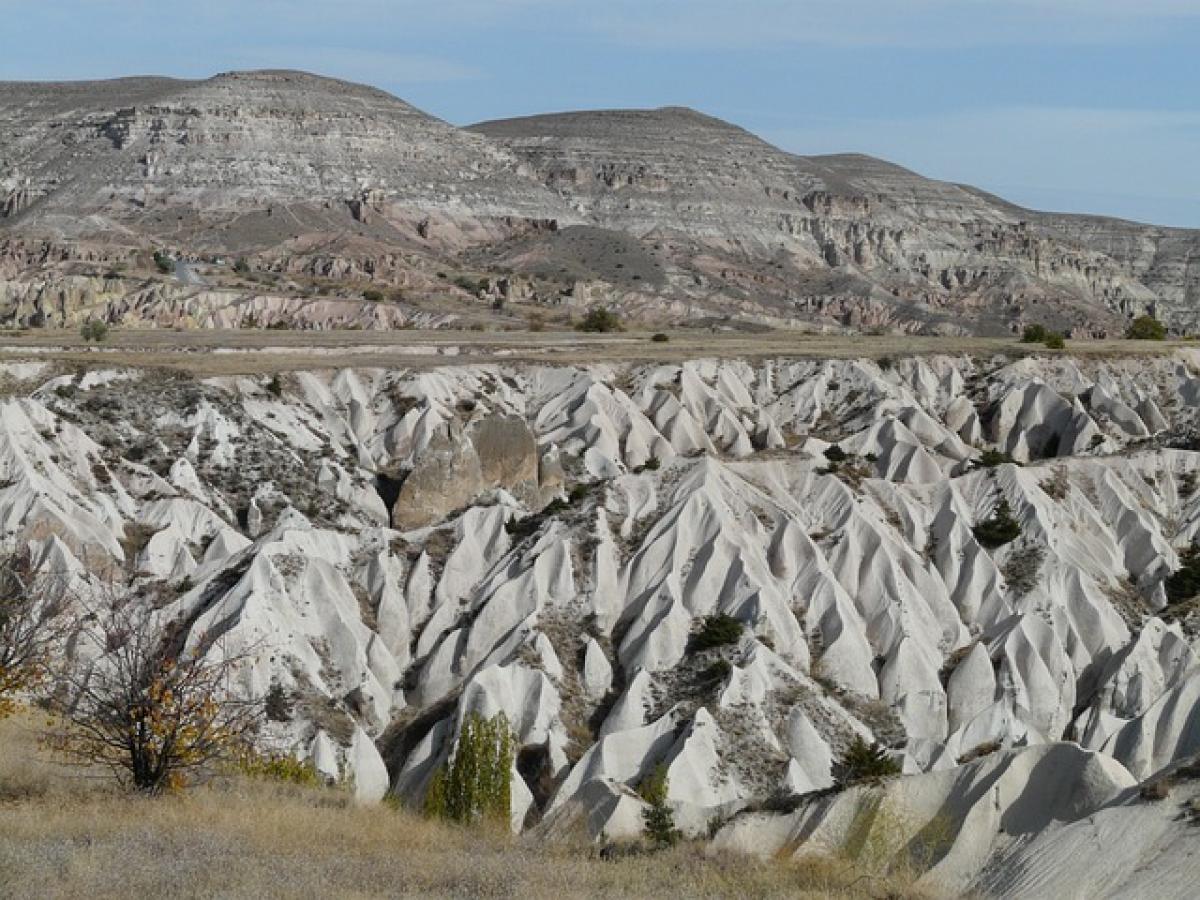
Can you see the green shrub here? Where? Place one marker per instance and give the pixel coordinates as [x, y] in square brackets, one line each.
[835, 454]
[1146, 328]
[864, 762]
[998, 530]
[476, 785]
[371, 295]
[1054, 341]
[1033, 334]
[163, 263]
[989, 459]
[660, 338]
[1184, 584]
[242, 267]
[600, 321]
[658, 820]
[93, 330]
[717, 631]
[280, 767]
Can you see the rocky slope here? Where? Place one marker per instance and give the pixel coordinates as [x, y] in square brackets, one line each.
[329, 189]
[402, 547]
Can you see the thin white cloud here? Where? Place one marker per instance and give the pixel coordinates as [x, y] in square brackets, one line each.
[934, 24]
[367, 66]
[1118, 156]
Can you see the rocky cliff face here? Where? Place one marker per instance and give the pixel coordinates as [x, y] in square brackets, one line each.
[842, 512]
[667, 214]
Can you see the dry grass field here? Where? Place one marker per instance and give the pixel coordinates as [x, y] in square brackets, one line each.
[64, 835]
[252, 351]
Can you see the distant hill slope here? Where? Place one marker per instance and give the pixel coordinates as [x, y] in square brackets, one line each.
[667, 214]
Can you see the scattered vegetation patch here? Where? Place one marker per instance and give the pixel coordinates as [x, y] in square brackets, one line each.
[660, 338]
[987, 748]
[999, 529]
[1057, 484]
[1022, 568]
[1034, 334]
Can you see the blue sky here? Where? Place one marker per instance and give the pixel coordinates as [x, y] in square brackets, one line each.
[1078, 105]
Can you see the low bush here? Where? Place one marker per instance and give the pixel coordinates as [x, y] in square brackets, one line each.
[989, 459]
[280, 767]
[660, 338]
[600, 321]
[163, 263]
[1033, 334]
[1146, 328]
[1184, 583]
[717, 631]
[93, 330]
[1000, 529]
[1054, 341]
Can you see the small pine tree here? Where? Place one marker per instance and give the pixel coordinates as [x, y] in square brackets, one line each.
[864, 762]
[658, 819]
[998, 530]
[477, 783]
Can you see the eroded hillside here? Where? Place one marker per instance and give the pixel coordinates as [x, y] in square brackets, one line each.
[401, 547]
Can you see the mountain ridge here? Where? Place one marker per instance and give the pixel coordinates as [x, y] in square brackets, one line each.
[274, 163]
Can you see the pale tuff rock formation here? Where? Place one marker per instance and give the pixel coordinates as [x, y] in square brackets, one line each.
[410, 546]
[668, 214]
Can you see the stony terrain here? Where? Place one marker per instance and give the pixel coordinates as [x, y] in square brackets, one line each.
[401, 546]
[344, 207]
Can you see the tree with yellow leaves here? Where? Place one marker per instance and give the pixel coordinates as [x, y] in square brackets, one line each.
[151, 708]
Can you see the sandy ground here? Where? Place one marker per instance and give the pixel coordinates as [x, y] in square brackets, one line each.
[253, 351]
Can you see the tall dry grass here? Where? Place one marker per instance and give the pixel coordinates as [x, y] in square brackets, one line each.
[66, 835]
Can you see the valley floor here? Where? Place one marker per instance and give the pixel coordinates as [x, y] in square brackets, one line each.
[211, 352]
[65, 835]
